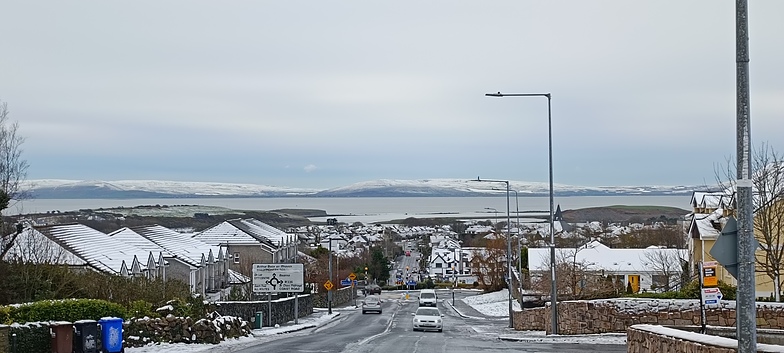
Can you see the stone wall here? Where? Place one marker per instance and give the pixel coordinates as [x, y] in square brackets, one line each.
[4, 345]
[340, 297]
[282, 309]
[171, 329]
[616, 315]
[655, 339]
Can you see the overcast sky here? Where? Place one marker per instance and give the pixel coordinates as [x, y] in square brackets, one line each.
[322, 94]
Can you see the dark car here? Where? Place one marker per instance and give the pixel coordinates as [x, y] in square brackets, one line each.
[372, 289]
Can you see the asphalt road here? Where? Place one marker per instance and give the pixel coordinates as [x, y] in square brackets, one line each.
[391, 331]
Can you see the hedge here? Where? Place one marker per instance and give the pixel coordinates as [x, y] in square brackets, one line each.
[64, 310]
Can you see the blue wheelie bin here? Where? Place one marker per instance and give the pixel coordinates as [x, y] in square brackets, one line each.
[111, 334]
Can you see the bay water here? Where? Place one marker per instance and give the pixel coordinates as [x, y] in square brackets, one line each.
[371, 209]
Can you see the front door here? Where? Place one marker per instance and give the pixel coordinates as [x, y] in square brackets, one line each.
[634, 280]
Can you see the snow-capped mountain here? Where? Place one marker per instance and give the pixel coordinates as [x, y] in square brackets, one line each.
[73, 189]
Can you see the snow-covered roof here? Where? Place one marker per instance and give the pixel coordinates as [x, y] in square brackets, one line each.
[98, 249]
[183, 246]
[704, 226]
[226, 233]
[34, 247]
[597, 256]
[128, 236]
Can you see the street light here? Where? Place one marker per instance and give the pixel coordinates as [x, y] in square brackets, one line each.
[519, 251]
[553, 295]
[508, 246]
[496, 214]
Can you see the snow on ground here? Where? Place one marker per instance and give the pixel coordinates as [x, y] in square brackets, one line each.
[492, 304]
[318, 318]
[496, 304]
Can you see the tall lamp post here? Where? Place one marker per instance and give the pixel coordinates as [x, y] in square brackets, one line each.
[508, 246]
[519, 251]
[553, 295]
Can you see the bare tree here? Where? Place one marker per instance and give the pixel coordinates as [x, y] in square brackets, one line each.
[13, 171]
[667, 267]
[768, 183]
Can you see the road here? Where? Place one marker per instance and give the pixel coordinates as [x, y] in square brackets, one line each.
[391, 331]
[406, 265]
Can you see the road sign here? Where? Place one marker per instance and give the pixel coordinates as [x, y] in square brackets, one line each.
[352, 276]
[709, 278]
[345, 282]
[725, 249]
[278, 278]
[711, 296]
[411, 283]
[328, 285]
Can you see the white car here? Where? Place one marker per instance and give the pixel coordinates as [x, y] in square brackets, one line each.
[427, 297]
[371, 304]
[428, 319]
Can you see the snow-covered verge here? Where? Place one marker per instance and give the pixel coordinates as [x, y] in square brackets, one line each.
[492, 304]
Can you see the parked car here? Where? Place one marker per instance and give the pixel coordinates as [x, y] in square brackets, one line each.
[371, 289]
[428, 319]
[371, 304]
[427, 297]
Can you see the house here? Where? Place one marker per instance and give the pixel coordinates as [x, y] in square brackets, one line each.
[82, 247]
[203, 267]
[248, 242]
[643, 269]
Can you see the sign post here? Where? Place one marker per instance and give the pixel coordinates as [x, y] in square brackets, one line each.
[709, 292]
[277, 278]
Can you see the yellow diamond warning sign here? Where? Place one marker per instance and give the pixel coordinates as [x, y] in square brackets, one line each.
[328, 285]
[352, 276]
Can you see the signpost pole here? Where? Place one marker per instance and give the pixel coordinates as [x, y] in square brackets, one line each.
[702, 299]
[269, 309]
[296, 295]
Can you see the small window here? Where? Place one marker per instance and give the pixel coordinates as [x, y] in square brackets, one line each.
[438, 265]
[236, 257]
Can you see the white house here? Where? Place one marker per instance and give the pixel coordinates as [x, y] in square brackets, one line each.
[641, 268]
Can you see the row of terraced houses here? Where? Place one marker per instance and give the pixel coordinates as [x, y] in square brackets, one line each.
[208, 261]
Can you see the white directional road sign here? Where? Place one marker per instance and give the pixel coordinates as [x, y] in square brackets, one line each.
[278, 278]
[711, 296]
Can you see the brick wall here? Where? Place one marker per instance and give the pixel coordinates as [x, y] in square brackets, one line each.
[601, 316]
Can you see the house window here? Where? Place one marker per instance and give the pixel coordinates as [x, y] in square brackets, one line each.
[661, 282]
[438, 265]
[236, 257]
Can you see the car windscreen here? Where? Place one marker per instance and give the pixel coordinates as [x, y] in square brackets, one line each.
[427, 295]
[428, 312]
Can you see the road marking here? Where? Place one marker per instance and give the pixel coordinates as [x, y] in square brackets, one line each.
[386, 330]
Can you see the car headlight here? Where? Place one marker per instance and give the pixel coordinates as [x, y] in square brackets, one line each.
[438, 321]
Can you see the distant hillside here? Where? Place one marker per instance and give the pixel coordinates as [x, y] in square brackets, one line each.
[621, 213]
[126, 189]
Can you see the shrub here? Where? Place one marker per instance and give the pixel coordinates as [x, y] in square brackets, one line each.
[5, 315]
[32, 337]
[66, 310]
[141, 308]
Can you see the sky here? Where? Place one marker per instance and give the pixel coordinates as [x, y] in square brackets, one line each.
[320, 94]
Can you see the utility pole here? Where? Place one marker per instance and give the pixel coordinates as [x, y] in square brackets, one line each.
[746, 303]
[329, 292]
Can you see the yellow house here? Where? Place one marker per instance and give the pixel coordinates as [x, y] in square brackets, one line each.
[709, 214]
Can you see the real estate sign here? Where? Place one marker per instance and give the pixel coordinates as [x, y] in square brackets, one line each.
[278, 278]
[709, 278]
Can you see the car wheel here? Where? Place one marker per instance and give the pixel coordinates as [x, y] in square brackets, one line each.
[440, 330]
[364, 312]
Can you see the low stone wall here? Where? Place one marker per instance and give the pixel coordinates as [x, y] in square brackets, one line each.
[340, 297]
[171, 329]
[655, 339]
[4, 345]
[282, 309]
[616, 315]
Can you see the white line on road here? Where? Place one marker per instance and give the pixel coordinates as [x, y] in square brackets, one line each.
[386, 330]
